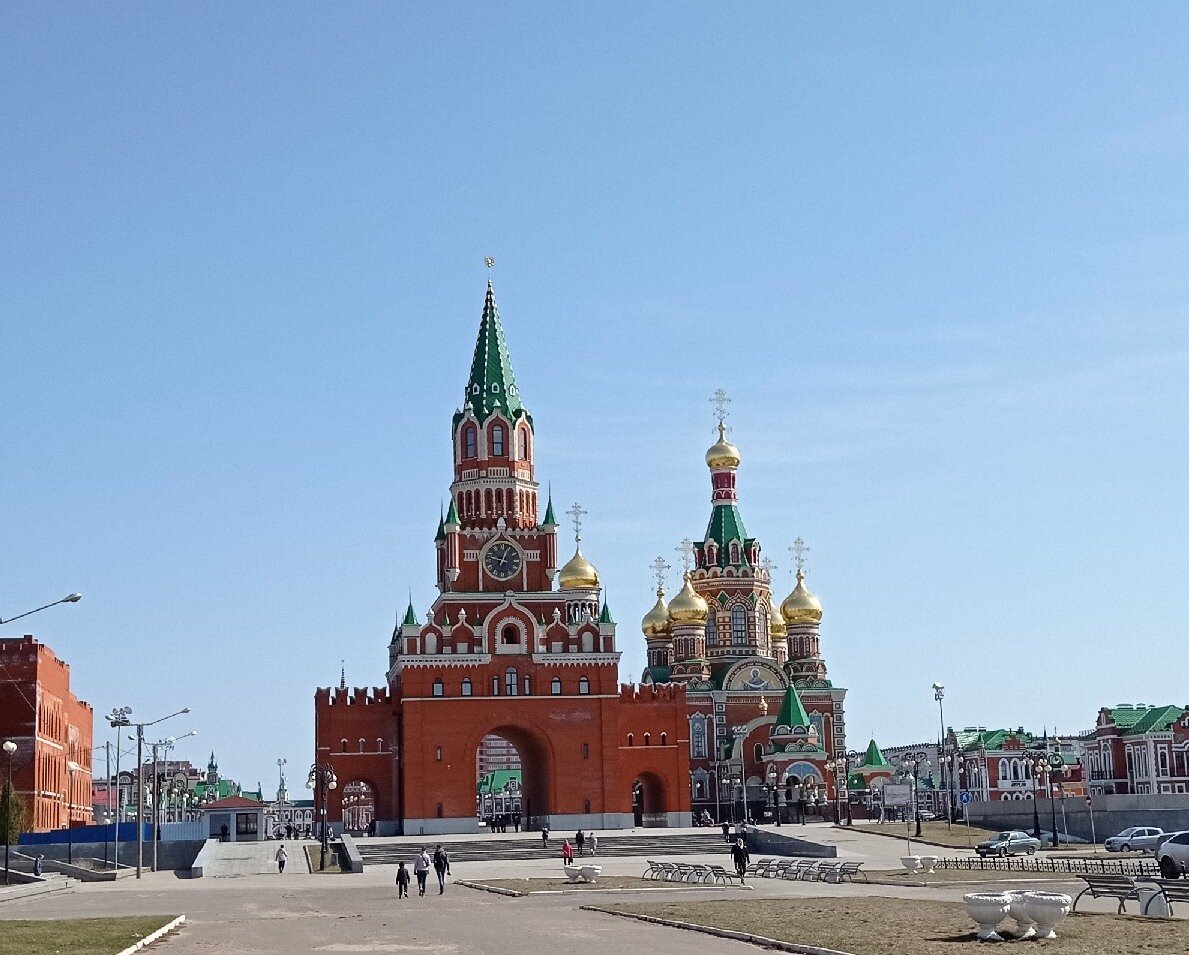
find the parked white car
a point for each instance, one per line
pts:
(1173, 855)
(1134, 839)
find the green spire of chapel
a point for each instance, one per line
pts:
(410, 617)
(605, 616)
(451, 515)
(550, 520)
(873, 758)
(792, 712)
(492, 385)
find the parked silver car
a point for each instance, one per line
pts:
(1173, 855)
(1008, 843)
(1134, 838)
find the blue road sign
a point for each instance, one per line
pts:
(965, 798)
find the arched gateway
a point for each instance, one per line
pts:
(504, 652)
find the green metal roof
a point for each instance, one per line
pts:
(726, 525)
(492, 385)
(451, 514)
(550, 520)
(605, 616)
(969, 740)
(792, 712)
(873, 758)
(410, 617)
(495, 781)
(1138, 720)
(658, 674)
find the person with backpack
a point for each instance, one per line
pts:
(282, 857)
(441, 865)
(421, 870)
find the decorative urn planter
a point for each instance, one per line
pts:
(1046, 909)
(988, 909)
(1018, 909)
(928, 863)
(910, 863)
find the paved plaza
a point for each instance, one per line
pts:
(250, 912)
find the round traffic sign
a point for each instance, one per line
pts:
(965, 798)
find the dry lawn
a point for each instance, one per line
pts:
(605, 882)
(934, 832)
(875, 926)
(969, 877)
(77, 936)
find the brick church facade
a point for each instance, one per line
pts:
(504, 652)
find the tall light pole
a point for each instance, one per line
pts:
(9, 748)
(947, 767)
(167, 744)
(68, 599)
(118, 718)
(322, 779)
(140, 793)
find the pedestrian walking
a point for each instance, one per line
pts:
(567, 853)
(579, 839)
(402, 882)
(441, 865)
(593, 841)
(545, 837)
(421, 870)
(282, 857)
(726, 832)
(740, 857)
(37, 869)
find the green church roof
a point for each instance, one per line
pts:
(410, 617)
(726, 525)
(605, 616)
(492, 385)
(495, 781)
(792, 712)
(550, 520)
(873, 758)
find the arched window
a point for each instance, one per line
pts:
(647, 739)
(495, 686)
(528, 685)
(469, 442)
(583, 686)
(510, 681)
(438, 688)
(758, 753)
(510, 635)
(522, 442)
(1004, 773)
(734, 552)
(497, 440)
(362, 743)
(712, 629)
(466, 686)
(379, 745)
(555, 686)
(631, 739)
(664, 739)
(738, 625)
(586, 750)
(343, 744)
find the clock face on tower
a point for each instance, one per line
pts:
(502, 560)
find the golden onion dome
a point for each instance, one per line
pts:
(722, 454)
(656, 621)
(578, 574)
(776, 619)
(688, 606)
(801, 606)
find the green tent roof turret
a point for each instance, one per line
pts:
(550, 520)
(605, 616)
(451, 516)
(441, 532)
(410, 617)
(874, 758)
(492, 385)
(792, 711)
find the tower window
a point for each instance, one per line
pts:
(712, 629)
(522, 442)
(469, 440)
(497, 440)
(495, 686)
(583, 686)
(466, 686)
(555, 686)
(738, 625)
(438, 688)
(510, 681)
(510, 635)
(734, 553)
(528, 685)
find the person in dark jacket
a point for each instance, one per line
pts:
(402, 882)
(441, 865)
(726, 832)
(740, 857)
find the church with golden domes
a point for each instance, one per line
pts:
(765, 722)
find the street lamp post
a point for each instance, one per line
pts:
(914, 767)
(1037, 763)
(947, 769)
(118, 718)
(9, 748)
(68, 599)
(322, 779)
(166, 744)
(140, 787)
(777, 792)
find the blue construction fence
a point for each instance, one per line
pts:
(85, 834)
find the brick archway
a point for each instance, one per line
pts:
(536, 767)
(650, 804)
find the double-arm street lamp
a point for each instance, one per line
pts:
(778, 798)
(912, 768)
(321, 780)
(947, 768)
(125, 714)
(166, 744)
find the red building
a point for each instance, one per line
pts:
(51, 727)
(505, 653)
(1139, 749)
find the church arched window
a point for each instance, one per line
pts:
(738, 625)
(466, 686)
(510, 636)
(734, 552)
(522, 442)
(555, 686)
(711, 629)
(469, 442)
(583, 686)
(510, 682)
(497, 440)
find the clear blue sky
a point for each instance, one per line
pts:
(937, 253)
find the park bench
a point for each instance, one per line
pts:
(1119, 887)
(697, 873)
(778, 869)
(848, 870)
(1173, 890)
(719, 874)
(655, 870)
(805, 870)
(758, 867)
(827, 872)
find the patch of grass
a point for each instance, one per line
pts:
(77, 936)
(314, 857)
(880, 926)
(969, 877)
(935, 832)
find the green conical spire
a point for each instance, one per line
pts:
(873, 758)
(451, 515)
(410, 617)
(605, 616)
(792, 712)
(550, 520)
(492, 384)
(441, 533)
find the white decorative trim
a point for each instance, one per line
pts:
(446, 660)
(153, 936)
(576, 659)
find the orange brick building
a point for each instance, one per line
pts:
(504, 652)
(51, 768)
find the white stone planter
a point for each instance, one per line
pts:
(987, 909)
(928, 863)
(1018, 910)
(911, 863)
(1046, 909)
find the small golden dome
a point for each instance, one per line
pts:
(801, 606)
(688, 606)
(722, 453)
(578, 574)
(656, 621)
(775, 619)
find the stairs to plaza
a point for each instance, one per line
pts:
(494, 848)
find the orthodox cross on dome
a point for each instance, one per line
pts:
(686, 547)
(658, 571)
(799, 550)
(720, 399)
(576, 514)
(490, 263)
(768, 566)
